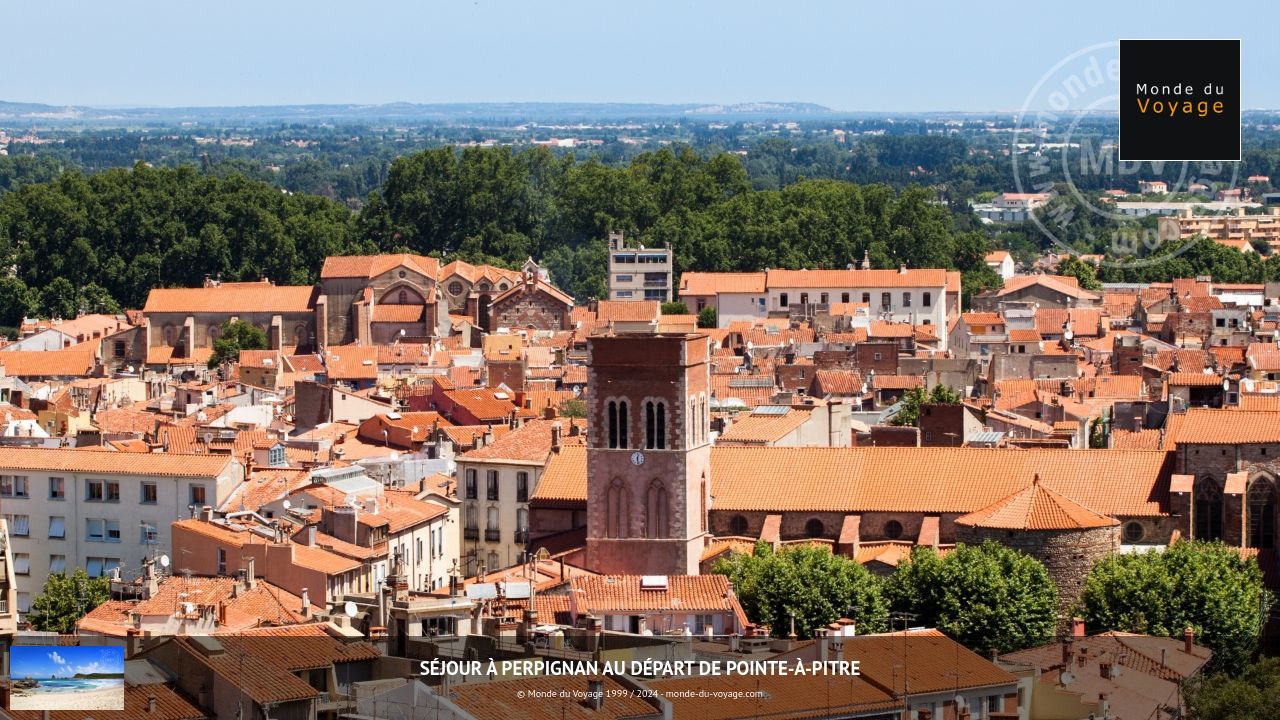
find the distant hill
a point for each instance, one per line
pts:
(17, 113)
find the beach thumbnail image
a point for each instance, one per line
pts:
(55, 677)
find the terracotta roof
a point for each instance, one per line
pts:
(367, 266)
(791, 696)
(706, 283)
(997, 256)
(837, 382)
(896, 382)
(757, 429)
(351, 362)
(1139, 440)
(628, 310)
(531, 286)
(232, 298)
(982, 318)
(881, 329)
(169, 705)
(1194, 379)
(465, 435)
(927, 278)
(123, 420)
(392, 313)
(1065, 285)
(75, 361)
(84, 461)
(483, 403)
(531, 442)
(1259, 403)
(264, 603)
(1036, 507)
(938, 663)
(888, 479)
(607, 594)
(1085, 322)
(1209, 426)
(1024, 335)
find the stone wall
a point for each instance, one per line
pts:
(1068, 555)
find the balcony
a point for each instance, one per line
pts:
(471, 533)
(492, 535)
(522, 537)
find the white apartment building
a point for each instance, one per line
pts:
(639, 273)
(69, 509)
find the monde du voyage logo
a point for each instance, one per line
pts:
(1180, 100)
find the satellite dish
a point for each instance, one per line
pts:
(164, 561)
(350, 609)
(1068, 334)
(187, 608)
(286, 504)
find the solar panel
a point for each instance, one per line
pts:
(771, 410)
(516, 590)
(482, 591)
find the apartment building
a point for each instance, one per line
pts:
(69, 509)
(1235, 229)
(639, 273)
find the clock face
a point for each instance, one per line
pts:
(637, 458)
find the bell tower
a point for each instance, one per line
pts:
(648, 452)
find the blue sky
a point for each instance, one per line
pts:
(855, 56)
(42, 661)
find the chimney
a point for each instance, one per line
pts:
(1067, 652)
(1077, 627)
(311, 536)
(555, 437)
(821, 635)
(1188, 639)
(595, 694)
(1104, 707)
(1082, 657)
(250, 580)
(549, 412)
(306, 604)
(151, 704)
(222, 616)
(902, 269)
(373, 506)
(206, 513)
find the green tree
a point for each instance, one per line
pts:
(1253, 695)
(65, 599)
(1208, 587)
(236, 335)
(1085, 272)
(913, 399)
(16, 301)
(59, 299)
(675, 308)
(573, 408)
(807, 584)
(707, 318)
(987, 597)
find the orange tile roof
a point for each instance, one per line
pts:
(483, 403)
(997, 255)
(84, 461)
(881, 329)
(887, 479)
(393, 313)
(628, 310)
(75, 361)
(1036, 507)
(838, 382)
(1210, 426)
(1194, 379)
(1085, 322)
(611, 594)
(465, 435)
(531, 286)
(232, 298)
(729, 697)
(1259, 403)
(927, 277)
(762, 429)
(982, 318)
(707, 283)
(1024, 335)
(529, 443)
(126, 420)
(351, 362)
(368, 266)
(1065, 285)
(169, 705)
(1140, 440)
(937, 664)
(896, 382)
(506, 700)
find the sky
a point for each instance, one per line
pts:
(42, 661)
(851, 56)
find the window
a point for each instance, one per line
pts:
(493, 560)
(276, 455)
(617, 421)
(1134, 532)
(617, 523)
(624, 293)
(814, 528)
(19, 525)
(471, 517)
(57, 527)
(119, 348)
(113, 491)
(222, 561)
(93, 490)
(844, 297)
(893, 529)
(522, 487)
(866, 298)
(21, 564)
(1261, 510)
(906, 299)
(57, 564)
(783, 300)
(927, 300)
(94, 529)
(149, 536)
(491, 484)
(655, 425)
(886, 300)
(1208, 510)
(737, 525)
(113, 530)
(197, 494)
(13, 486)
(623, 278)
(471, 485)
(822, 298)
(148, 493)
(804, 298)
(57, 488)
(419, 555)
(657, 518)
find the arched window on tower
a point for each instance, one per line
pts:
(657, 517)
(611, 410)
(624, 439)
(1262, 512)
(616, 510)
(1208, 509)
(655, 425)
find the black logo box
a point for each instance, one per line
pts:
(1189, 65)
